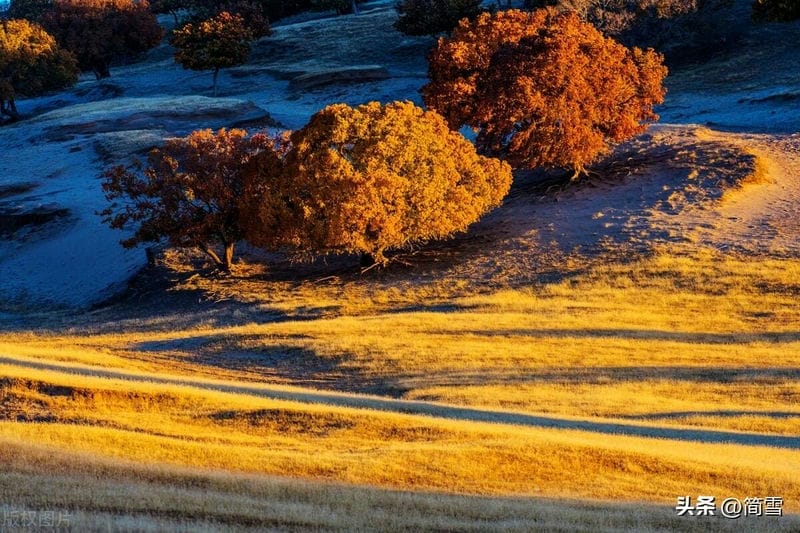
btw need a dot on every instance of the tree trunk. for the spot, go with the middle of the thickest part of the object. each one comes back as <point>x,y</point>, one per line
<point>355,7</point>
<point>228,257</point>
<point>216,74</point>
<point>213,255</point>
<point>9,109</point>
<point>101,71</point>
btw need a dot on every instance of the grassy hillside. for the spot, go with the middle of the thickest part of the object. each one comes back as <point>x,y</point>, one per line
<point>716,381</point>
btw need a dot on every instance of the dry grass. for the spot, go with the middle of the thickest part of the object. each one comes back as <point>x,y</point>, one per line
<point>695,340</point>
<point>103,494</point>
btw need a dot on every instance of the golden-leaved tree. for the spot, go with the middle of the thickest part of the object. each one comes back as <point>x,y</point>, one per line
<point>378,177</point>
<point>190,194</point>
<point>543,88</point>
<point>220,42</point>
<point>31,63</point>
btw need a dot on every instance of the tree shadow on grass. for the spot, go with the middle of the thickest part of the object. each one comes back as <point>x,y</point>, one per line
<point>273,362</point>
<point>645,334</point>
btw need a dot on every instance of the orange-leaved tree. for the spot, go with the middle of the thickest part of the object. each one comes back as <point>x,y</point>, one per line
<point>379,177</point>
<point>220,42</point>
<point>99,32</point>
<point>543,88</point>
<point>31,63</point>
<point>190,194</point>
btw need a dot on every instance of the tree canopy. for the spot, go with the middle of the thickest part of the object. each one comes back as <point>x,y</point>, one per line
<point>378,177</point>
<point>190,193</point>
<point>31,63</point>
<point>220,42</point>
<point>99,32</point>
<point>543,89</point>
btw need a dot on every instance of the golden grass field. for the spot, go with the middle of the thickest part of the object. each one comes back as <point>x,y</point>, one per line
<point>150,422</point>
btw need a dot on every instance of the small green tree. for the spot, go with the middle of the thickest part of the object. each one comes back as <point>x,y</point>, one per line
<point>31,63</point>
<point>220,42</point>
<point>190,194</point>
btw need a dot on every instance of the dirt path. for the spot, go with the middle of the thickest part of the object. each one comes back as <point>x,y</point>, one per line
<point>762,217</point>
<point>433,409</point>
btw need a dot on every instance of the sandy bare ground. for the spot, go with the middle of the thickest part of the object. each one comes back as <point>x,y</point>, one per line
<point>432,409</point>
<point>760,217</point>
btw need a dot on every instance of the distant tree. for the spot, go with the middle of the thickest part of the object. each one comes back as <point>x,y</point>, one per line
<point>170,7</point>
<point>543,89</point>
<point>28,9</point>
<point>99,32</point>
<point>31,63</point>
<point>667,25</point>
<point>220,42</point>
<point>380,177</point>
<point>190,193</point>
<point>430,17</point>
<point>776,10</point>
<point>341,7</point>
<point>250,11</point>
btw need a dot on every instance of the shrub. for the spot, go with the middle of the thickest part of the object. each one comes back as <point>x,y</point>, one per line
<point>31,63</point>
<point>220,42</point>
<point>543,89</point>
<point>379,177</point>
<point>190,194</point>
<point>99,32</point>
<point>776,10</point>
<point>430,17</point>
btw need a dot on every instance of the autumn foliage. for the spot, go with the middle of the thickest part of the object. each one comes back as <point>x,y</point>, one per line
<point>220,42</point>
<point>776,10</point>
<point>100,32</point>
<point>31,63</point>
<point>189,194</point>
<point>543,89</point>
<point>378,177</point>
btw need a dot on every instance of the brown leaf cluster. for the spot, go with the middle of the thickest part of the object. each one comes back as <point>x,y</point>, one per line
<point>189,194</point>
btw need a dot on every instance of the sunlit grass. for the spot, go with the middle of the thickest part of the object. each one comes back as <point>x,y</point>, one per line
<point>699,340</point>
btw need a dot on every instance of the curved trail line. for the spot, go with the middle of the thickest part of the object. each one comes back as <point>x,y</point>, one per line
<point>432,409</point>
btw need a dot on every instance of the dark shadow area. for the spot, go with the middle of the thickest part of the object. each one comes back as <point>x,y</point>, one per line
<point>276,362</point>
<point>723,414</point>
<point>599,376</point>
<point>635,334</point>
